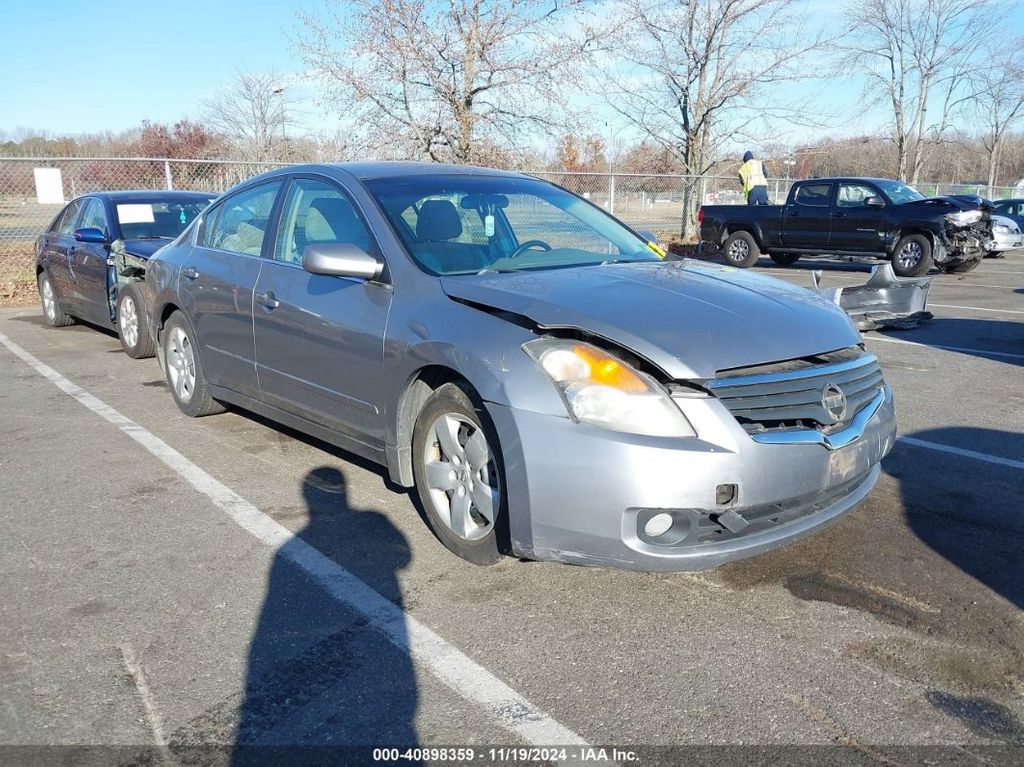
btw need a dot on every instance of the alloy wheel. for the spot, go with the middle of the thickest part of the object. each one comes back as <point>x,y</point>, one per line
<point>128,320</point>
<point>461,476</point>
<point>910,255</point>
<point>181,364</point>
<point>738,251</point>
<point>49,303</point>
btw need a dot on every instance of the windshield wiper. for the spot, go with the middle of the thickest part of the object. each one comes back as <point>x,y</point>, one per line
<point>155,237</point>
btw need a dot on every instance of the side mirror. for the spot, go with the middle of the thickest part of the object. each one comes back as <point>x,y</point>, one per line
<point>91,234</point>
<point>874,201</point>
<point>341,259</point>
<point>648,235</point>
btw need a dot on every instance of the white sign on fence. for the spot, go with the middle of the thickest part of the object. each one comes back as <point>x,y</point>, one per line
<point>49,186</point>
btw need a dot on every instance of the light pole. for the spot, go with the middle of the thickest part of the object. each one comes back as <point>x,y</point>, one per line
<point>278,90</point>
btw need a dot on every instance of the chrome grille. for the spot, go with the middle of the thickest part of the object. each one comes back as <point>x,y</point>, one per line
<point>795,395</point>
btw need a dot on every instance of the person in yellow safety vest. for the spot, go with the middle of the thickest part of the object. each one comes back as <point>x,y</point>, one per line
<point>755,184</point>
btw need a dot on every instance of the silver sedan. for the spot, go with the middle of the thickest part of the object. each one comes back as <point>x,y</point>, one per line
<point>549,384</point>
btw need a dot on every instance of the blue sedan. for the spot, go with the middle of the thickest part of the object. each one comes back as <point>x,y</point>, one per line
<point>91,258</point>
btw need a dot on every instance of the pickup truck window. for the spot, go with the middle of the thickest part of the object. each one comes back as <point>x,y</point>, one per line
<point>899,192</point>
<point>853,195</point>
<point>813,194</point>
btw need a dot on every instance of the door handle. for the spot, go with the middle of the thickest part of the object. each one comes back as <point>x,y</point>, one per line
<point>267,300</point>
<point>189,273</point>
<point>839,215</point>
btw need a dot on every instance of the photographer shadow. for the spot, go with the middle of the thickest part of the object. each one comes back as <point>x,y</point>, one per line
<point>318,676</point>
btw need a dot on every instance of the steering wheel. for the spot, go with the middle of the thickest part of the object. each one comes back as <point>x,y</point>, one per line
<point>527,245</point>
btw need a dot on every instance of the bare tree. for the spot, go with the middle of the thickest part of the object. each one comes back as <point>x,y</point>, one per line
<point>450,80</point>
<point>998,91</point>
<point>256,111</point>
<point>699,72</point>
<point>919,54</point>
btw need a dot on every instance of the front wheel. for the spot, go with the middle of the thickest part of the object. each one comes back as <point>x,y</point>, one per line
<point>132,323</point>
<point>459,476</point>
<point>185,373</point>
<point>912,256</point>
<point>740,250</point>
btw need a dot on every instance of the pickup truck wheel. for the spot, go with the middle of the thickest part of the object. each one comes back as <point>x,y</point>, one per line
<point>912,256</point>
<point>784,259</point>
<point>460,476</point>
<point>185,374</point>
<point>132,323</point>
<point>740,249</point>
<point>52,312</point>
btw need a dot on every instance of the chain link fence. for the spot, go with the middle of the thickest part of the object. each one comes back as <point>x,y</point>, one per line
<point>664,204</point>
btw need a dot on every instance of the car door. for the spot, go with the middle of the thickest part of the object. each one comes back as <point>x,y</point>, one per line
<point>59,247</point>
<point>807,220</point>
<point>319,338</point>
<point>855,225</point>
<point>217,280</point>
<point>88,264</point>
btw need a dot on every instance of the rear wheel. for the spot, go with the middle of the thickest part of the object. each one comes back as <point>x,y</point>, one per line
<point>132,325</point>
<point>912,256</point>
<point>52,313</point>
<point>459,476</point>
<point>784,259</point>
<point>185,373</point>
<point>740,250</point>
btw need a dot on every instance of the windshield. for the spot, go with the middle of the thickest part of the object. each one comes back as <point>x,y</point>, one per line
<point>899,192</point>
<point>151,220</point>
<point>472,224</point>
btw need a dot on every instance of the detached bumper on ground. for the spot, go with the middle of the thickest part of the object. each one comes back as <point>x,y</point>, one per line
<point>588,496</point>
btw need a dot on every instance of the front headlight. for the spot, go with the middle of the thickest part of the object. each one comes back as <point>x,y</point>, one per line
<point>600,389</point>
<point>1002,229</point>
<point>964,217</point>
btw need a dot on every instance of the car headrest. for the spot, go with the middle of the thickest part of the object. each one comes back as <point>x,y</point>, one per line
<point>438,220</point>
<point>331,219</point>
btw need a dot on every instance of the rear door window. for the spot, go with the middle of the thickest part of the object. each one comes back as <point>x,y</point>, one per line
<point>813,194</point>
<point>244,220</point>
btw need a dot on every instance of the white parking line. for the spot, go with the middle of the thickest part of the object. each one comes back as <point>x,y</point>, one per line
<point>987,458</point>
<point>978,352</point>
<point>978,308</point>
<point>457,670</point>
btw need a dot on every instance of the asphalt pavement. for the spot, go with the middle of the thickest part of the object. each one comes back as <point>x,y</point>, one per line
<point>172,582</point>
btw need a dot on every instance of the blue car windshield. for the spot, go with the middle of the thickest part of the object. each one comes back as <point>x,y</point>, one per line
<point>454,224</point>
<point>156,219</point>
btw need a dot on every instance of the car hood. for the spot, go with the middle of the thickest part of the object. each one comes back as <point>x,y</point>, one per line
<point>144,248</point>
<point>690,320</point>
<point>955,201</point>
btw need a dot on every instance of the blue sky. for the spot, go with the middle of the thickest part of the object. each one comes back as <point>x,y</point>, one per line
<point>79,67</point>
<point>107,64</point>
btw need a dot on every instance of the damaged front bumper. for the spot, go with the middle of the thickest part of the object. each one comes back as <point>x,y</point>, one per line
<point>884,301</point>
<point>959,249</point>
<point>584,495</point>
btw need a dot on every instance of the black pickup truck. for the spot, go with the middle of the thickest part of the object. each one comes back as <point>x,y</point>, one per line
<point>863,217</point>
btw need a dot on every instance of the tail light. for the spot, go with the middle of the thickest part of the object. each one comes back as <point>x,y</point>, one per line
<point>700,215</point>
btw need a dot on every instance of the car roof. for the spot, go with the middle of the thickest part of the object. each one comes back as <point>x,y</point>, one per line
<point>366,171</point>
<point>140,195</point>
<point>869,179</point>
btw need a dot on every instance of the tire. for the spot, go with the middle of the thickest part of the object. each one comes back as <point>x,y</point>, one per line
<point>740,250</point>
<point>912,256</point>
<point>52,313</point>
<point>184,369</point>
<point>784,259</point>
<point>133,322</point>
<point>457,438</point>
